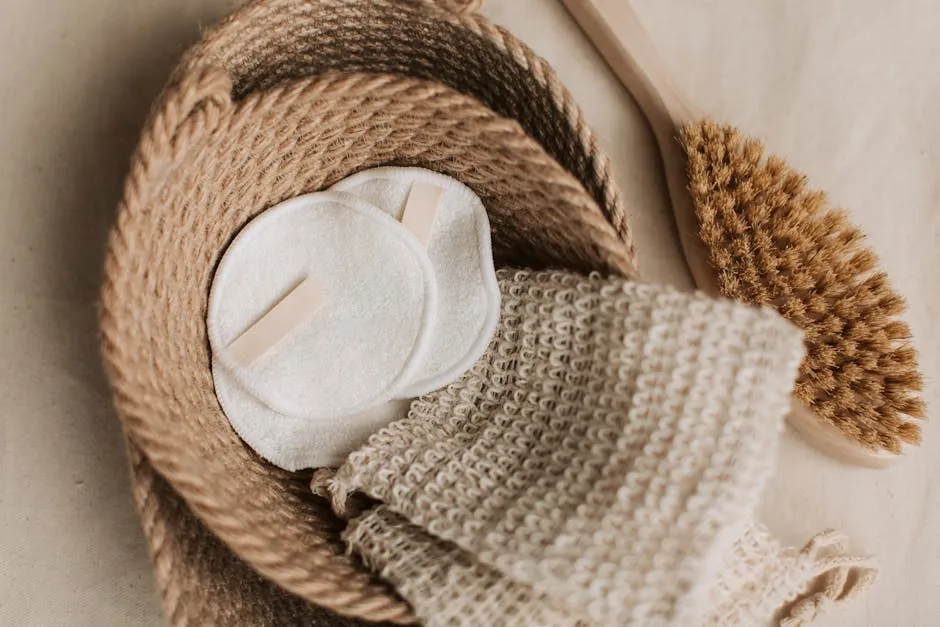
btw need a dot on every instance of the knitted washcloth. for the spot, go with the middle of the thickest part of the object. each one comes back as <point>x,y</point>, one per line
<point>605,451</point>
<point>446,585</point>
<point>761,580</point>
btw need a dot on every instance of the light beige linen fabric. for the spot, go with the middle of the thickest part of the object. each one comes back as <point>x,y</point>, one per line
<point>846,89</point>
<point>605,451</point>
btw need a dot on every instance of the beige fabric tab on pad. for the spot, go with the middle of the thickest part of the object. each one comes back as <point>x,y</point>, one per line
<point>421,210</point>
<point>289,313</point>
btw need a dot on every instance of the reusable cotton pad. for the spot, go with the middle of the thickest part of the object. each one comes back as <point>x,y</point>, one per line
<point>295,443</point>
<point>345,297</point>
<point>458,245</point>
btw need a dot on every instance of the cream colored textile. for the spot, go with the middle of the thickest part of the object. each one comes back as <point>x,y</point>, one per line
<point>761,581</point>
<point>448,586</point>
<point>605,451</point>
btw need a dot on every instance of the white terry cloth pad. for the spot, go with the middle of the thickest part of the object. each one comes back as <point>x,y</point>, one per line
<point>461,254</point>
<point>302,400</point>
<point>296,443</point>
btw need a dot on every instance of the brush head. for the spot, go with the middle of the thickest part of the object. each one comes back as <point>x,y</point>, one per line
<point>773,242</point>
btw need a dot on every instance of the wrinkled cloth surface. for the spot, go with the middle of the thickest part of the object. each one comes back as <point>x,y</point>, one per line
<point>605,452</point>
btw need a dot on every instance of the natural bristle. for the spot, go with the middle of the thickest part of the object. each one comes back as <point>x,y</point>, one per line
<point>774,242</point>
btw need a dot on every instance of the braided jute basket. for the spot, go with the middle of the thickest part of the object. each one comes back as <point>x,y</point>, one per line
<point>283,98</point>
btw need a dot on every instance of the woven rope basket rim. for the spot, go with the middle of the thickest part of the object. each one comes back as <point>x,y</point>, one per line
<point>265,24</point>
<point>195,106</point>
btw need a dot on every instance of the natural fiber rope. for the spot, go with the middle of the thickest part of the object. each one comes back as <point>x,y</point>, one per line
<point>458,6</point>
<point>268,42</point>
<point>841,578</point>
<point>200,580</point>
<point>193,187</point>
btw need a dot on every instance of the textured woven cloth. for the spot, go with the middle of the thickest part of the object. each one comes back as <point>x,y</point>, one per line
<point>760,580</point>
<point>447,585</point>
<point>605,451</point>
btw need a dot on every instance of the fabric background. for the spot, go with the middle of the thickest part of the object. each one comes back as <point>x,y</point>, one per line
<point>846,89</point>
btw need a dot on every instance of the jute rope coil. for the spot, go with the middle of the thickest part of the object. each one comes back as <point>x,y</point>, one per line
<point>458,6</point>
<point>267,42</point>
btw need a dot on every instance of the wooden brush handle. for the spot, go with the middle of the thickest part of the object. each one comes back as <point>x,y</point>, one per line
<point>619,37</point>
<point>616,32</point>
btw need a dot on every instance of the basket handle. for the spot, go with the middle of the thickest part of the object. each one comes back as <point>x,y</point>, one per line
<point>191,107</point>
<point>459,6</point>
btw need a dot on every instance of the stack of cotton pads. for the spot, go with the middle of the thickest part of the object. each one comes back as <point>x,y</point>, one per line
<point>330,311</point>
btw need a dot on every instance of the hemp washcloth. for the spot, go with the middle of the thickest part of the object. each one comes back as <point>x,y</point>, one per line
<point>760,582</point>
<point>605,452</point>
<point>444,584</point>
<point>461,254</point>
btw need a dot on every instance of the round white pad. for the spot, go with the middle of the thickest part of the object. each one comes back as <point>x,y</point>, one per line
<point>461,254</point>
<point>297,443</point>
<point>351,354</point>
